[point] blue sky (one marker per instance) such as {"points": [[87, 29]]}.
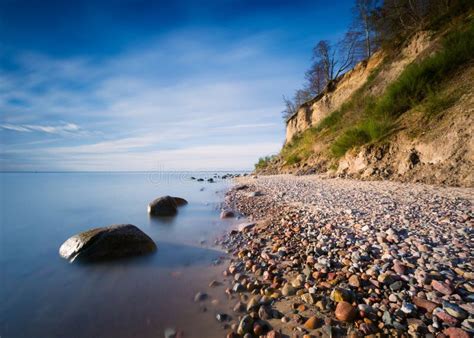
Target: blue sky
{"points": [[152, 85]]}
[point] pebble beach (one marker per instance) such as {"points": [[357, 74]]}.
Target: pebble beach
{"points": [[332, 257]]}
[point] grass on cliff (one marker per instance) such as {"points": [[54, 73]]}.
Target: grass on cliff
{"points": [[263, 162], [418, 82]]}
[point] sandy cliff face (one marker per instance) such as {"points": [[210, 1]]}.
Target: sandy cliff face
{"points": [[312, 112], [315, 110]]}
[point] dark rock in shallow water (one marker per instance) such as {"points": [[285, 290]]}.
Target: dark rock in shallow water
{"points": [[105, 243], [165, 206], [227, 214], [180, 201]]}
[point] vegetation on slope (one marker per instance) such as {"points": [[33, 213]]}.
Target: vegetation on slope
{"points": [[419, 81]]}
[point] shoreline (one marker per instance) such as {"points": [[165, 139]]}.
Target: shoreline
{"points": [[350, 258]]}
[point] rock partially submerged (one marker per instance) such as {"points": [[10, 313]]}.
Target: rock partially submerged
{"points": [[227, 214], [115, 241], [165, 206], [245, 226]]}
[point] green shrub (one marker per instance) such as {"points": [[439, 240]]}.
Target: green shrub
{"points": [[293, 159], [436, 103], [351, 138], [263, 162]]}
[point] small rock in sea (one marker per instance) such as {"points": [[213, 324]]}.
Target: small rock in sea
{"points": [[200, 180], [200, 296], [239, 307], [227, 214], [214, 283], [172, 333], [345, 312], [245, 226], [222, 317], [164, 206]]}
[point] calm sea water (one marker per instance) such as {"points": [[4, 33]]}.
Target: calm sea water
{"points": [[42, 295]]}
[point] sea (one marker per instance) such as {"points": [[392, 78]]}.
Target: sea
{"points": [[44, 295]]}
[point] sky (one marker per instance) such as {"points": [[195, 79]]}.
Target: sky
{"points": [[132, 85]]}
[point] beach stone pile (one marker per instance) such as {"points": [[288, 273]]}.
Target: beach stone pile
{"points": [[351, 258]]}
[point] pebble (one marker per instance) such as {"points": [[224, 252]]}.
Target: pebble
{"points": [[312, 323], [200, 296], [408, 308], [442, 287], [245, 325], [288, 290], [454, 332], [454, 310], [345, 312]]}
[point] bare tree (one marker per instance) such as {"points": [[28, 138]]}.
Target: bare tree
{"points": [[290, 108], [364, 23], [316, 79], [292, 105], [335, 60]]}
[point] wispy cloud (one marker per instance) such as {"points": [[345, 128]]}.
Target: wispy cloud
{"points": [[168, 101], [64, 128]]}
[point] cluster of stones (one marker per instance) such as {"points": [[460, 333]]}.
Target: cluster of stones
{"points": [[352, 259], [217, 176]]}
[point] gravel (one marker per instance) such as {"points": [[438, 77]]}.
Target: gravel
{"points": [[401, 254]]}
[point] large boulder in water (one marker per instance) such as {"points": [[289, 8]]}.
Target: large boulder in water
{"points": [[115, 241], [165, 206]]}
